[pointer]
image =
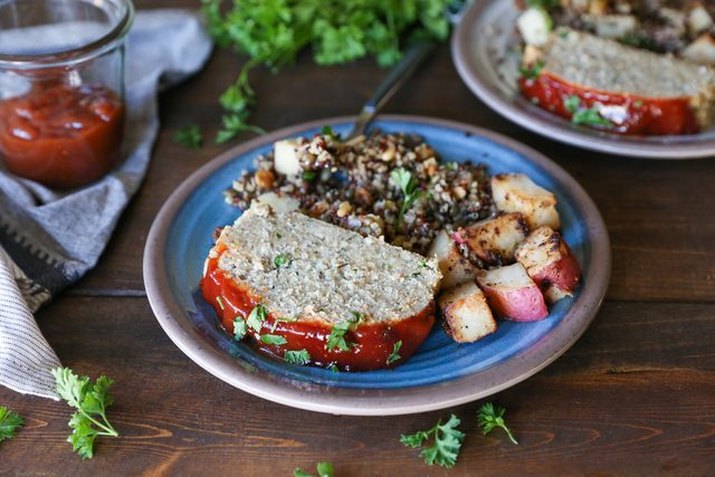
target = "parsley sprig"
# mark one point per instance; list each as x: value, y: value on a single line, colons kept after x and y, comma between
x: 10, y: 422
x: 446, y: 442
x: 403, y: 178
x: 336, y: 338
x: 91, y: 401
x: 491, y: 417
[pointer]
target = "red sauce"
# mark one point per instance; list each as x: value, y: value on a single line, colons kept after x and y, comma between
x: 372, y: 343
x: 643, y: 116
x: 61, y: 136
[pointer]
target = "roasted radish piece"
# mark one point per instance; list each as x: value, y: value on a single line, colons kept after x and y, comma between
x: 549, y: 262
x: 512, y: 295
x: 493, y: 241
x: 454, y: 267
x: 466, y: 314
x: 518, y: 193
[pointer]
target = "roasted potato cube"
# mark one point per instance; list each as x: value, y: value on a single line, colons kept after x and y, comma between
x: 454, y: 267
x: 466, y: 313
x: 493, y: 240
x: 518, y: 193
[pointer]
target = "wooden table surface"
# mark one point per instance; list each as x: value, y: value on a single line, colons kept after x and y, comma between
x: 634, y: 396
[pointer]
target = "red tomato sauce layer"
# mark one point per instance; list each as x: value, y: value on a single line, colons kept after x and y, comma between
x: 60, y: 135
x: 371, y: 345
x: 635, y: 115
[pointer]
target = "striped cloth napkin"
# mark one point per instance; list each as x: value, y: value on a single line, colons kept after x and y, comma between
x: 48, y: 240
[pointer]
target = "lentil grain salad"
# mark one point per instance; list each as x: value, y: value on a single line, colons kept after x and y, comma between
x: 382, y: 184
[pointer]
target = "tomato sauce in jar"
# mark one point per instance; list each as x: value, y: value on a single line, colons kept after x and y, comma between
x: 60, y: 135
x: 372, y: 345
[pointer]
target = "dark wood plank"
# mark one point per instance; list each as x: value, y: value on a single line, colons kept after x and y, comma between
x: 632, y: 397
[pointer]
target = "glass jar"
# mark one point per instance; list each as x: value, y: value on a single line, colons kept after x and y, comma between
x: 62, y: 88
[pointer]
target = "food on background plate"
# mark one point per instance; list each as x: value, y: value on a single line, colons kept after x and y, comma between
x: 663, y: 26
x: 310, y: 270
x: 601, y: 81
x: 302, y: 287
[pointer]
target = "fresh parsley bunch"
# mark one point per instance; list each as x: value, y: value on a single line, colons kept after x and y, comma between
x: 273, y: 32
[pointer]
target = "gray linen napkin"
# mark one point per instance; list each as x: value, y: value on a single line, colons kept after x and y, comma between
x: 48, y: 240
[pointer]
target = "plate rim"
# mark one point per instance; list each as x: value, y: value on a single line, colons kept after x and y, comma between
x: 481, y: 87
x: 381, y: 402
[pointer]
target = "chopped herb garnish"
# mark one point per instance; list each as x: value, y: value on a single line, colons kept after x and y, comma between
x: 273, y: 339
x: 279, y: 235
x: 324, y: 469
x: 333, y: 368
x: 572, y: 103
x: 532, y: 71
x: 490, y: 417
x: 219, y: 300
x: 416, y: 274
x: 336, y: 339
x: 239, y: 328
x: 256, y: 317
x: 328, y: 131
x: 309, y: 175
x: 394, y: 356
x: 407, y: 185
x: 301, y: 357
x: 357, y: 316
x: 423, y: 263
x: 10, y: 422
x: 447, y: 441
x: 587, y: 116
x: 189, y: 136
x: 280, y: 260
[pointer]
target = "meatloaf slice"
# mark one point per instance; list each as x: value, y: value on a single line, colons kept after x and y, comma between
x: 608, y: 85
x: 352, y: 301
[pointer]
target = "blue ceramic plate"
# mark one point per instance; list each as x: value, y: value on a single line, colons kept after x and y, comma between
x: 442, y: 373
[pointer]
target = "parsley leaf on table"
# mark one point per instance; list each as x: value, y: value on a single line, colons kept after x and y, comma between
x: 490, y: 417
x: 324, y: 469
x: 91, y: 401
x: 272, y: 33
x: 10, y: 422
x: 446, y: 442
x: 189, y: 136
